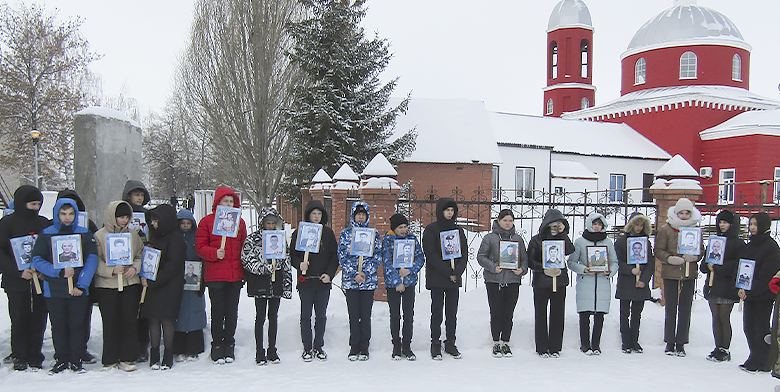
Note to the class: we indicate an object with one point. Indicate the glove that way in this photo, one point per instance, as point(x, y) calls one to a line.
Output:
point(690, 258)
point(552, 272)
point(774, 285)
point(675, 260)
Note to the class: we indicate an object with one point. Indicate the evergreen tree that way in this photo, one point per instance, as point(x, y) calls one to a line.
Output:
point(341, 114)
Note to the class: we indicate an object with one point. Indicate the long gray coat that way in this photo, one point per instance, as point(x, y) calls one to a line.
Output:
point(489, 258)
point(594, 291)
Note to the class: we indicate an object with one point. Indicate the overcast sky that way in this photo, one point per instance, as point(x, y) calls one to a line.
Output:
point(489, 50)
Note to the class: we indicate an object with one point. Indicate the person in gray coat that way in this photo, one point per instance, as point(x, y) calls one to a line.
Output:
point(502, 284)
point(594, 290)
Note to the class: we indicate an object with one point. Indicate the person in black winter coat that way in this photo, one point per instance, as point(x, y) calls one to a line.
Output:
point(26, 308)
point(136, 194)
point(163, 295)
point(314, 281)
point(441, 278)
point(633, 283)
point(722, 294)
point(549, 341)
point(762, 249)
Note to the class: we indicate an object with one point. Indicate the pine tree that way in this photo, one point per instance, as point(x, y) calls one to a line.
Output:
point(341, 114)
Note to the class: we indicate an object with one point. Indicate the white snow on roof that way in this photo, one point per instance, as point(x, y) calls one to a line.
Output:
point(683, 183)
point(757, 122)
point(345, 173)
point(573, 136)
point(107, 113)
point(448, 131)
point(348, 185)
point(320, 177)
point(669, 98)
point(677, 167)
point(380, 183)
point(569, 13)
point(379, 167)
point(571, 170)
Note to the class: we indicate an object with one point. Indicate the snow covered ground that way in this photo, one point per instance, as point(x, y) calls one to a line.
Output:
point(476, 371)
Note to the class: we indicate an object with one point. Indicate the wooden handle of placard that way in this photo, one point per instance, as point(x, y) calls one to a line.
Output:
point(143, 294)
point(121, 283)
point(305, 260)
point(70, 284)
point(452, 264)
point(712, 278)
point(224, 240)
point(360, 264)
point(637, 278)
point(687, 273)
point(273, 270)
point(36, 282)
point(741, 303)
point(555, 284)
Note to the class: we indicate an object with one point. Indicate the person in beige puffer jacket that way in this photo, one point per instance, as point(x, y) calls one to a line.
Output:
point(679, 273)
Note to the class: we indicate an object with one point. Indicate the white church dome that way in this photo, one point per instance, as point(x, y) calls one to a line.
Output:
point(569, 13)
point(687, 24)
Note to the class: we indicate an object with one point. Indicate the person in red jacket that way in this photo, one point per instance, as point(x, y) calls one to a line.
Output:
point(223, 275)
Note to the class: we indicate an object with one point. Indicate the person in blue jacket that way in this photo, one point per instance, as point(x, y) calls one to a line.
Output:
point(67, 308)
point(400, 284)
point(359, 282)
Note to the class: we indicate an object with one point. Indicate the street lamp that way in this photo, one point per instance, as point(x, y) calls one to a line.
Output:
point(36, 137)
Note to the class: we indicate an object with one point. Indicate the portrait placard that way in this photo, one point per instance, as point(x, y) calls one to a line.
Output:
point(66, 251)
point(553, 252)
point(637, 250)
point(450, 244)
point(118, 249)
point(274, 244)
point(597, 258)
point(150, 263)
point(82, 219)
point(403, 257)
point(745, 274)
point(362, 242)
point(192, 274)
point(508, 254)
point(138, 223)
point(22, 247)
point(226, 221)
point(689, 241)
point(309, 235)
point(715, 248)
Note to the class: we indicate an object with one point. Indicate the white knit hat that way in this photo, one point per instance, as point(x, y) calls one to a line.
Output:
point(683, 204)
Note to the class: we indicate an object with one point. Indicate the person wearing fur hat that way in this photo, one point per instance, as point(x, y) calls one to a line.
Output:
point(722, 294)
point(400, 286)
point(679, 273)
point(26, 308)
point(502, 285)
point(762, 249)
point(549, 341)
point(594, 289)
point(633, 283)
point(268, 281)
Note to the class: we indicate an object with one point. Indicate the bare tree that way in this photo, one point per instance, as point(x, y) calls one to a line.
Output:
point(43, 76)
point(236, 80)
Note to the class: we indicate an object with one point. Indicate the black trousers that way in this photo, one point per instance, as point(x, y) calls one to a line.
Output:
point(398, 302)
point(630, 318)
point(318, 301)
point(359, 306)
point(444, 302)
point(119, 311)
point(755, 322)
point(502, 301)
point(28, 314)
point(224, 298)
point(188, 343)
point(586, 340)
point(271, 305)
point(679, 300)
point(549, 340)
point(67, 327)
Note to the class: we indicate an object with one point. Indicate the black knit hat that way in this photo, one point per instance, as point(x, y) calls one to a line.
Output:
point(763, 221)
point(123, 209)
point(397, 220)
point(725, 215)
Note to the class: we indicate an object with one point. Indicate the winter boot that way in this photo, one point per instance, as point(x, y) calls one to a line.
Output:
point(216, 353)
point(229, 353)
point(397, 355)
point(260, 358)
point(154, 358)
point(436, 351)
point(354, 351)
point(406, 350)
point(167, 360)
point(451, 349)
point(272, 356)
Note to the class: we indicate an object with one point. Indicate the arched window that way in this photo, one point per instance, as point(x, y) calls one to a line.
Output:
point(585, 103)
point(736, 68)
point(553, 60)
point(584, 58)
point(688, 64)
point(549, 106)
point(640, 71)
